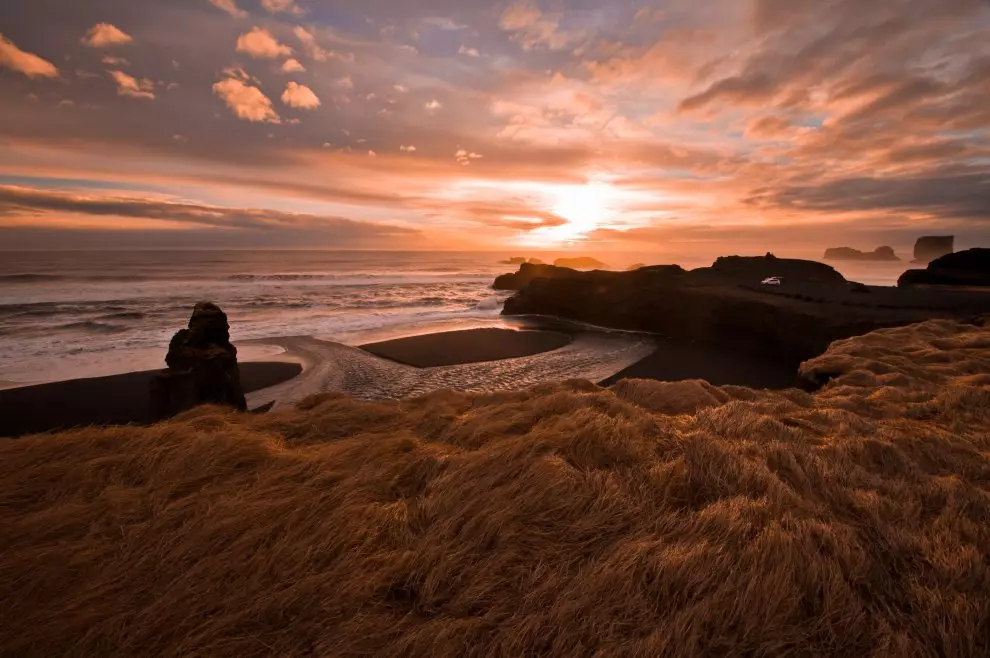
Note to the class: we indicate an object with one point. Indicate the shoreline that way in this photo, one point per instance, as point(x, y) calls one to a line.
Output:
point(541, 349)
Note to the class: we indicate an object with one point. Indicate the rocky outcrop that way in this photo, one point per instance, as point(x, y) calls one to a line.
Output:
point(637, 266)
point(965, 268)
point(930, 247)
point(528, 273)
point(202, 367)
point(753, 270)
point(581, 263)
point(725, 306)
point(515, 260)
point(880, 254)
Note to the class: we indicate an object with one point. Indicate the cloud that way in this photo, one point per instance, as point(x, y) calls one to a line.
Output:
point(400, 88)
point(434, 105)
point(110, 60)
point(465, 158)
point(286, 6)
point(408, 149)
point(132, 87)
point(229, 6)
point(443, 23)
point(345, 82)
point(531, 28)
point(470, 52)
point(292, 66)
point(300, 97)
point(31, 65)
point(246, 101)
point(22, 201)
point(315, 52)
point(102, 35)
point(260, 44)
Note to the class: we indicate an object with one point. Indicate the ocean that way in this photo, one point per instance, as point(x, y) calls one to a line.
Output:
point(74, 314)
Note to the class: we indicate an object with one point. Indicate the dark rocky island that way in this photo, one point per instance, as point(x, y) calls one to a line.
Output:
point(930, 247)
point(965, 268)
point(880, 254)
point(726, 307)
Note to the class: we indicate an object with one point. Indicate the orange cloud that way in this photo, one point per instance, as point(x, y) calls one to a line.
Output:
point(31, 65)
point(133, 87)
point(102, 35)
point(286, 6)
point(292, 66)
point(229, 6)
point(246, 101)
point(260, 44)
point(300, 96)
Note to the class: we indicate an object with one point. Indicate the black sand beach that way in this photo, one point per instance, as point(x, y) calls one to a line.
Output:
point(113, 400)
point(469, 346)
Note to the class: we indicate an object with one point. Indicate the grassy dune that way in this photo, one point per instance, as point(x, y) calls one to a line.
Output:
point(651, 519)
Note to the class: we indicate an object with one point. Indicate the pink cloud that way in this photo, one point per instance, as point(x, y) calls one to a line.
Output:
point(31, 65)
point(292, 66)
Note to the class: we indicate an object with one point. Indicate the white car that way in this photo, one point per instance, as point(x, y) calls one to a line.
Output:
point(773, 281)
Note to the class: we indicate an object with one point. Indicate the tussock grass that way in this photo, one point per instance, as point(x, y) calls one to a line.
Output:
point(653, 519)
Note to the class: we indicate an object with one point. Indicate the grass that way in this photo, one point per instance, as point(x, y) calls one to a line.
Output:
point(652, 519)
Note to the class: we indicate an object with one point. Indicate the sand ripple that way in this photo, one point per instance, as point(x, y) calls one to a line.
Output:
point(334, 367)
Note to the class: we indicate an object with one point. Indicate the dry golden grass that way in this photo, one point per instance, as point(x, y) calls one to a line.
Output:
point(648, 520)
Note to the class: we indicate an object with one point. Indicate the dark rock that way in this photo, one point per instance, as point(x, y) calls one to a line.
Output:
point(202, 367)
point(535, 261)
point(515, 260)
point(965, 268)
point(930, 247)
point(881, 254)
point(725, 306)
point(753, 270)
point(637, 266)
point(581, 263)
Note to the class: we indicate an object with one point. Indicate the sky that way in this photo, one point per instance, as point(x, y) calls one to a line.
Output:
point(586, 125)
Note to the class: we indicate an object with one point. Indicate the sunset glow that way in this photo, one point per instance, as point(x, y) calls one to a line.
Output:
point(385, 125)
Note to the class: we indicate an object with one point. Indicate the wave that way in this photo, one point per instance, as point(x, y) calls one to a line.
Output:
point(93, 326)
point(30, 278)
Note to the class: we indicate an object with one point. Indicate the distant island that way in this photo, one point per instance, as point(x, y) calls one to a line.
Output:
point(519, 260)
point(880, 254)
point(932, 247)
point(581, 263)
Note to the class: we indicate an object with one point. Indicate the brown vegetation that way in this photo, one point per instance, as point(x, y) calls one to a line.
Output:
point(652, 519)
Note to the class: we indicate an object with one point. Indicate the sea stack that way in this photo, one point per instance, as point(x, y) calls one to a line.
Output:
point(932, 247)
point(202, 367)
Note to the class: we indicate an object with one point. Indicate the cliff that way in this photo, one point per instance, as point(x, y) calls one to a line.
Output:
point(880, 254)
point(965, 268)
point(725, 306)
point(930, 247)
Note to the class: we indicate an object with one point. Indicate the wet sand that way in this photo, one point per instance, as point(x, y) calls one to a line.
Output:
point(113, 400)
point(469, 346)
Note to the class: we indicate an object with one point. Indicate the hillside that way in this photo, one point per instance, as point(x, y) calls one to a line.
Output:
point(651, 519)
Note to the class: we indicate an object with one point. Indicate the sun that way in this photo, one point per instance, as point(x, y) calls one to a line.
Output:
point(584, 209)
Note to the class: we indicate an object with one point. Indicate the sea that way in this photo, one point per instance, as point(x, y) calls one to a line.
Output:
point(72, 314)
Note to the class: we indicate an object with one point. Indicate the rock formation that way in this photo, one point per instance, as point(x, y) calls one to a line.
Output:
point(964, 268)
point(535, 261)
point(725, 306)
point(881, 254)
point(930, 247)
point(637, 266)
point(515, 260)
point(202, 367)
point(752, 270)
point(581, 263)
